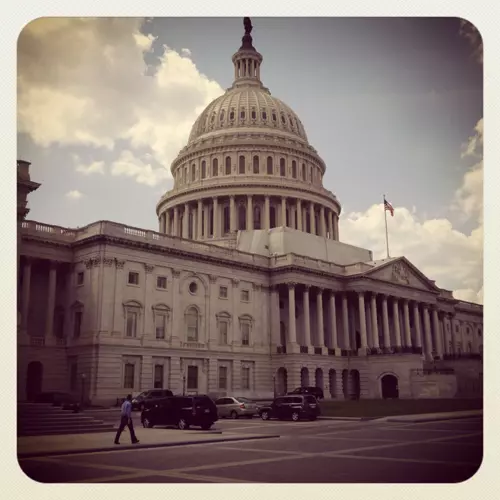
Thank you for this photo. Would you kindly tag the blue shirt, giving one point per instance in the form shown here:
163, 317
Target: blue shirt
126, 410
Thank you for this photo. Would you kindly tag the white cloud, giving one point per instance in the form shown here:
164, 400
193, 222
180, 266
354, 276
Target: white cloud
96, 167
85, 82
74, 195
131, 166
453, 258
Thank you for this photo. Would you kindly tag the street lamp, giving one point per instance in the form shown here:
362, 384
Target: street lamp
83, 389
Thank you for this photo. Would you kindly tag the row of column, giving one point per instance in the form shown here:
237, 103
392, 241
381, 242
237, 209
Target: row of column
302, 213
433, 338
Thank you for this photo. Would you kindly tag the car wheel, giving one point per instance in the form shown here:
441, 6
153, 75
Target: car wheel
182, 424
234, 414
206, 427
295, 416
147, 423
264, 415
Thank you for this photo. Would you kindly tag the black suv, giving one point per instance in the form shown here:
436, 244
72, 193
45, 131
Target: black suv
139, 402
294, 407
181, 411
317, 392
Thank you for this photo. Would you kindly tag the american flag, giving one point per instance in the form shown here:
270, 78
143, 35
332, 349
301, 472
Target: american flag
388, 206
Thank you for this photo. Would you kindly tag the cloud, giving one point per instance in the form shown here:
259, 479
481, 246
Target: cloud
472, 34
74, 195
131, 166
96, 167
451, 257
86, 82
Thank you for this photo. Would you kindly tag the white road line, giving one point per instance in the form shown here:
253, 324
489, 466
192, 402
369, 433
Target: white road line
409, 460
277, 452
347, 438
424, 430
119, 477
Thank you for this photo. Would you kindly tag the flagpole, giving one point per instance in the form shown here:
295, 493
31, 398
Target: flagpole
386, 233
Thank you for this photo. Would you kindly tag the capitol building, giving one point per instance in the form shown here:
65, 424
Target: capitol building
245, 289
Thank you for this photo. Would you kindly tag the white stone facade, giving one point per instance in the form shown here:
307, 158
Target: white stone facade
246, 289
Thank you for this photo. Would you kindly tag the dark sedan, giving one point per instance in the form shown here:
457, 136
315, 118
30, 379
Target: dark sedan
291, 407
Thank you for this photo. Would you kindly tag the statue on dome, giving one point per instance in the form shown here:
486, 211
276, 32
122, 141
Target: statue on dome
247, 23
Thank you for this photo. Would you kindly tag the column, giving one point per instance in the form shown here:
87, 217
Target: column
345, 321
307, 317
299, 215
215, 217
194, 235
200, 219
283, 211
406, 322
322, 221
385, 323
336, 226
232, 214
206, 211
175, 231
362, 319
267, 213
249, 213
333, 319
311, 218
437, 332
319, 314
25, 306
275, 316
292, 334
373, 311
427, 329
453, 335
330, 224
185, 221
395, 319
51, 300
416, 322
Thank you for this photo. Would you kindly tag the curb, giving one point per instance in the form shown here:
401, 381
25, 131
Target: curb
21, 456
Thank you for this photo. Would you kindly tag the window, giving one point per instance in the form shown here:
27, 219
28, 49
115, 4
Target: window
255, 164
221, 117
133, 278
193, 172
245, 333
231, 115
203, 169
215, 167
245, 378
283, 119
160, 325
254, 114
282, 167
222, 377
242, 165
264, 115
242, 113
161, 282
193, 287
158, 377
192, 377
192, 324
245, 295
269, 165
228, 165
223, 332
303, 174
294, 169
77, 324
79, 278
131, 323
128, 376
73, 376
275, 118
223, 292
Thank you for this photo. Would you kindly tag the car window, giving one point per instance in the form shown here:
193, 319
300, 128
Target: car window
229, 401
279, 401
244, 400
220, 401
310, 399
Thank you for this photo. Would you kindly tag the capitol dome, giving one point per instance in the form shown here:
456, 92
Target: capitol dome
247, 166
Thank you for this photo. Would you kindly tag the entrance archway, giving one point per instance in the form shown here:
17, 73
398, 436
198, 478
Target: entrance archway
34, 378
355, 384
319, 378
304, 377
389, 384
281, 381
332, 378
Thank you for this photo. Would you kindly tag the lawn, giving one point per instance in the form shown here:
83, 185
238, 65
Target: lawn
387, 407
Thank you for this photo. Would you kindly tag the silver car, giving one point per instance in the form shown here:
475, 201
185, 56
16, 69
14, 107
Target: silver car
234, 407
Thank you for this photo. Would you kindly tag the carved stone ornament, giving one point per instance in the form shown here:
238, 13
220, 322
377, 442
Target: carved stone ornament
107, 261
148, 268
120, 264
212, 278
235, 282
176, 273
92, 262
400, 273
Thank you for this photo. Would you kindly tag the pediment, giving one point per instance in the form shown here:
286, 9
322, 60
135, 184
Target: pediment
402, 272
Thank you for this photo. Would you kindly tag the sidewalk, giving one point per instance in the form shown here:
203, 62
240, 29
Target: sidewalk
431, 417
69, 444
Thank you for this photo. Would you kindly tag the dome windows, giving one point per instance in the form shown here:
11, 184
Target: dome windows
231, 115
254, 114
193, 172
215, 167
275, 117
264, 115
294, 169
283, 119
269, 165
242, 165
228, 165
242, 113
255, 164
282, 167
221, 116
203, 169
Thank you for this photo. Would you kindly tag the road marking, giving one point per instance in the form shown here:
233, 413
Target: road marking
277, 452
347, 438
424, 430
409, 460
132, 475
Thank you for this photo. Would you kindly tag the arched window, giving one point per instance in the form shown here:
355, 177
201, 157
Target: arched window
275, 118
282, 167
242, 165
228, 165
310, 174
242, 113
193, 172
215, 167
255, 164
269, 165
231, 115
264, 115
303, 174
203, 169
254, 114
192, 324
294, 169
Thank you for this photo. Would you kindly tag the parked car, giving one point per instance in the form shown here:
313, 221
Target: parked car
63, 399
138, 403
317, 392
235, 407
292, 407
181, 411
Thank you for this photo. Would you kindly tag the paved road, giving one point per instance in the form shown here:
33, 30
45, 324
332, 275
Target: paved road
307, 452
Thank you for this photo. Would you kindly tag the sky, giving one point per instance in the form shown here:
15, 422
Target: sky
394, 106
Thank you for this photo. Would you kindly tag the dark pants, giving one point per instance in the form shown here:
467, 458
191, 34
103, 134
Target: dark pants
126, 422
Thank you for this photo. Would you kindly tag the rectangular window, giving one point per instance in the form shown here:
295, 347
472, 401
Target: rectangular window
222, 377
77, 325
131, 323
79, 278
245, 295
245, 378
223, 332
161, 282
223, 292
245, 334
128, 376
73, 376
192, 377
133, 278
158, 377
160, 325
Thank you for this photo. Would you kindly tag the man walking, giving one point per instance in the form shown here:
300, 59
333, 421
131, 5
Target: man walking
126, 421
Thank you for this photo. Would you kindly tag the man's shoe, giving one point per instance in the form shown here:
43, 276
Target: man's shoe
116, 442
135, 442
